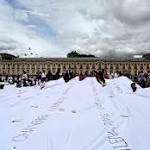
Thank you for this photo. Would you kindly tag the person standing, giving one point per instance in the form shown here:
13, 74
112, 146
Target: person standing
43, 76
24, 78
43, 80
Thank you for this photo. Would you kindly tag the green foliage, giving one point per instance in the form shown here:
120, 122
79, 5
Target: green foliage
75, 54
146, 56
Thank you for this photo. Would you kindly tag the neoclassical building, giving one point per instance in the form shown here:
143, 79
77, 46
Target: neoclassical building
11, 65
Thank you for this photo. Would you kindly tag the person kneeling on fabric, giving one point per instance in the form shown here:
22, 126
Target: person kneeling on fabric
1, 83
100, 78
133, 86
1, 86
18, 83
81, 77
66, 76
42, 84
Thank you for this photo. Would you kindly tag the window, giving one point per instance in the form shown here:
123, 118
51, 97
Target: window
135, 66
81, 66
147, 66
87, 66
93, 66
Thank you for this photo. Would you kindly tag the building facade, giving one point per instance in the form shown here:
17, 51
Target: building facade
16, 66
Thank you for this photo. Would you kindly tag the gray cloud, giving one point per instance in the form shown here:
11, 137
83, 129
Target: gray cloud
7, 44
133, 13
103, 27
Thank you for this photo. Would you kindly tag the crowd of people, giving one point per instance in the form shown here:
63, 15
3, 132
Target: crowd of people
143, 79
24, 80
39, 79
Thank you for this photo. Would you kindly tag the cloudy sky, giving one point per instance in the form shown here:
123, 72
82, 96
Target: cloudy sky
52, 28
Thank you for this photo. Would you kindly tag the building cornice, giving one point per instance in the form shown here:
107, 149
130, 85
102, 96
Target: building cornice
77, 60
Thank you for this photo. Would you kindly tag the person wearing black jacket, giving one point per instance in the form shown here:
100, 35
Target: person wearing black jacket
66, 76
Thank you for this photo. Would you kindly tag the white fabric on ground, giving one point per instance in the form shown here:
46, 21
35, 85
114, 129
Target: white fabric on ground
78, 115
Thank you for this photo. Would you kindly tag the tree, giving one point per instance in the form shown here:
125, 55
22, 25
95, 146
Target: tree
146, 56
74, 54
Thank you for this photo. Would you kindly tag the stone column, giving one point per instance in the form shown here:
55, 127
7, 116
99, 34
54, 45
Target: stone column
35, 68
30, 69
132, 70
61, 68
46, 68
15, 69
144, 67
108, 68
